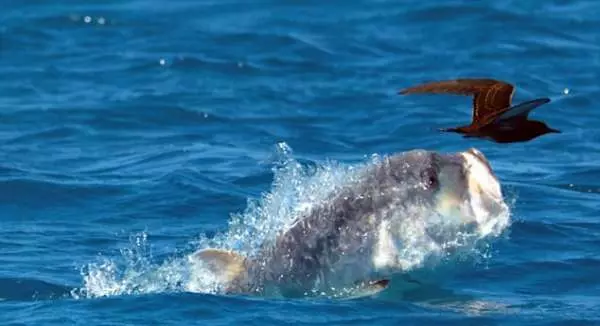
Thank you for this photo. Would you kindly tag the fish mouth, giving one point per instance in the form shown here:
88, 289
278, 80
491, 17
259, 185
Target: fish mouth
484, 193
470, 192
481, 176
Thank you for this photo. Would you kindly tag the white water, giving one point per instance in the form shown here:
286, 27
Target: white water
295, 188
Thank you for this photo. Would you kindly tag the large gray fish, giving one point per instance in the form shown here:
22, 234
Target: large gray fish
354, 238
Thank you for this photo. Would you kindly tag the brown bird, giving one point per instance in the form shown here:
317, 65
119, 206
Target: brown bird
493, 117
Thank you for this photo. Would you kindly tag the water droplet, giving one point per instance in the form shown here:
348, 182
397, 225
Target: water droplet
162, 62
566, 91
101, 21
87, 19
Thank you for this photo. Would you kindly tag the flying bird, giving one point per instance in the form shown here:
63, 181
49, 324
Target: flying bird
494, 117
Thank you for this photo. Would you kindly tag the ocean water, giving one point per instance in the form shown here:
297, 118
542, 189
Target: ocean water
133, 133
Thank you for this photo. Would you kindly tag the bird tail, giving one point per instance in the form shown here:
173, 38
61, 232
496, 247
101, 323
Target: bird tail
450, 129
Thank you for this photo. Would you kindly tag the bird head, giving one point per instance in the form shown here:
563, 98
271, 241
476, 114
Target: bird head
541, 128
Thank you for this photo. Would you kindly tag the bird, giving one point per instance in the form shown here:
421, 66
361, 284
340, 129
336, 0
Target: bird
494, 117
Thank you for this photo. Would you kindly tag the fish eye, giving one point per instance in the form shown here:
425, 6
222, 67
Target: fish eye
430, 177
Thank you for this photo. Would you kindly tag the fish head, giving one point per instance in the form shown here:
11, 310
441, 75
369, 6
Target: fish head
442, 203
468, 191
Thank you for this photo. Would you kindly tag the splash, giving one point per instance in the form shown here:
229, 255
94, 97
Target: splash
132, 273
296, 187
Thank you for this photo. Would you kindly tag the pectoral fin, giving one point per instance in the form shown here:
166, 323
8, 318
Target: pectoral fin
225, 265
366, 289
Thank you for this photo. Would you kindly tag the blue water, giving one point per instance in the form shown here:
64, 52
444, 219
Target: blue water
133, 132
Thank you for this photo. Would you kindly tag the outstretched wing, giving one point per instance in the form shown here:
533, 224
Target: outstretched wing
520, 111
490, 96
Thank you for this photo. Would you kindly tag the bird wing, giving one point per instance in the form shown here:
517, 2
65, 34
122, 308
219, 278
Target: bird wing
520, 111
490, 96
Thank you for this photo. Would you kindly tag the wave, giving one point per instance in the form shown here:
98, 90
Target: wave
26, 289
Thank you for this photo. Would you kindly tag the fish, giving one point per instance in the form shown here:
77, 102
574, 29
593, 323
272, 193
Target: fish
352, 239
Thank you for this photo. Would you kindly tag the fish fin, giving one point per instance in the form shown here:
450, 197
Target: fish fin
225, 265
370, 288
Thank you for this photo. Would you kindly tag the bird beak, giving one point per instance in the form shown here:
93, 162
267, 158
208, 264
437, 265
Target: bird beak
555, 131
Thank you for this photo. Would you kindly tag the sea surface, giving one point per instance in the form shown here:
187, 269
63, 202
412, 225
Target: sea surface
133, 133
